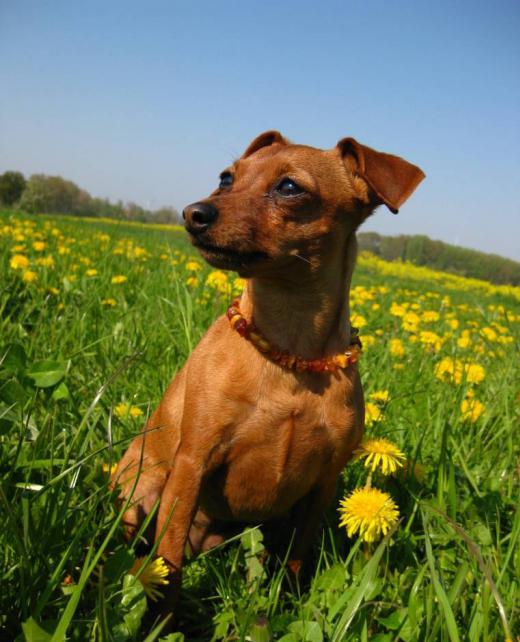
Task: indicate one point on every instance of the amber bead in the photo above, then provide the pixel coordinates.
(282, 357)
(241, 327)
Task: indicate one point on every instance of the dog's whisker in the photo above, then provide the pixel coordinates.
(298, 256)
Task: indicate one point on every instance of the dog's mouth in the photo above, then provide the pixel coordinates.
(227, 258)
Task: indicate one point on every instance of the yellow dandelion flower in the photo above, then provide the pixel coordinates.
(380, 395)
(471, 409)
(411, 321)
(453, 370)
(45, 261)
(39, 246)
(193, 266)
(464, 340)
(110, 470)
(19, 262)
(489, 334)
(445, 369)
(29, 276)
(91, 272)
(397, 310)
(53, 291)
(153, 574)
(192, 281)
(430, 340)
(372, 413)
(135, 412)
(118, 278)
(219, 281)
(367, 340)
(369, 512)
(239, 284)
(397, 348)
(358, 321)
(380, 453)
(122, 409)
(453, 323)
(110, 302)
(474, 372)
(430, 316)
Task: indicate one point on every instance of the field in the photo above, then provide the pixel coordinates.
(96, 318)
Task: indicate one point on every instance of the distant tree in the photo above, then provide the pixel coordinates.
(415, 249)
(167, 215)
(36, 194)
(422, 250)
(12, 185)
(53, 194)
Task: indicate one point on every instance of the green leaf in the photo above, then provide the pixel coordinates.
(46, 373)
(12, 391)
(394, 620)
(173, 637)
(117, 564)
(307, 631)
(33, 632)
(252, 541)
(364, 585)
(61, 392)
(332, 579)
(14, 358)
(7, 418)
(134, 603)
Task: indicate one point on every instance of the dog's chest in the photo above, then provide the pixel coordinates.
(284, 444)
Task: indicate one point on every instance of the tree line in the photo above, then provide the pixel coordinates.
(42, 194)
(422, 250)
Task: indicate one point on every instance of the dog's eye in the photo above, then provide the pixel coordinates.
(226, 180)
(287, 187)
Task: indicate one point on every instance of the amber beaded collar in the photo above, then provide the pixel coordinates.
(326, 364)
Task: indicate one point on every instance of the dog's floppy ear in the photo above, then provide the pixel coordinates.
(265, 140)
(391, 178)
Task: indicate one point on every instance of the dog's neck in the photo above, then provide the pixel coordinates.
(307, 315)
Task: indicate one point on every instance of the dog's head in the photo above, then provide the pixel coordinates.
(280, 203)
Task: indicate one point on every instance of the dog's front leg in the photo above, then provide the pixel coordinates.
(179, 503)
(306, 517)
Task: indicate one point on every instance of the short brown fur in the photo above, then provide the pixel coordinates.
(237, 438)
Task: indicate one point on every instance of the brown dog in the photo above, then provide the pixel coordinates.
(239, 435)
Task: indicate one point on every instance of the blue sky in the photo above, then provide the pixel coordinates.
(148, 101)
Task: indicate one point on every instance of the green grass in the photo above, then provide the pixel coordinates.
(69, 359)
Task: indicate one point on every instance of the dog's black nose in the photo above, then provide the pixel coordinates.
(199, 216)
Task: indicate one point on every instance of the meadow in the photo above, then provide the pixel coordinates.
(96, 318)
